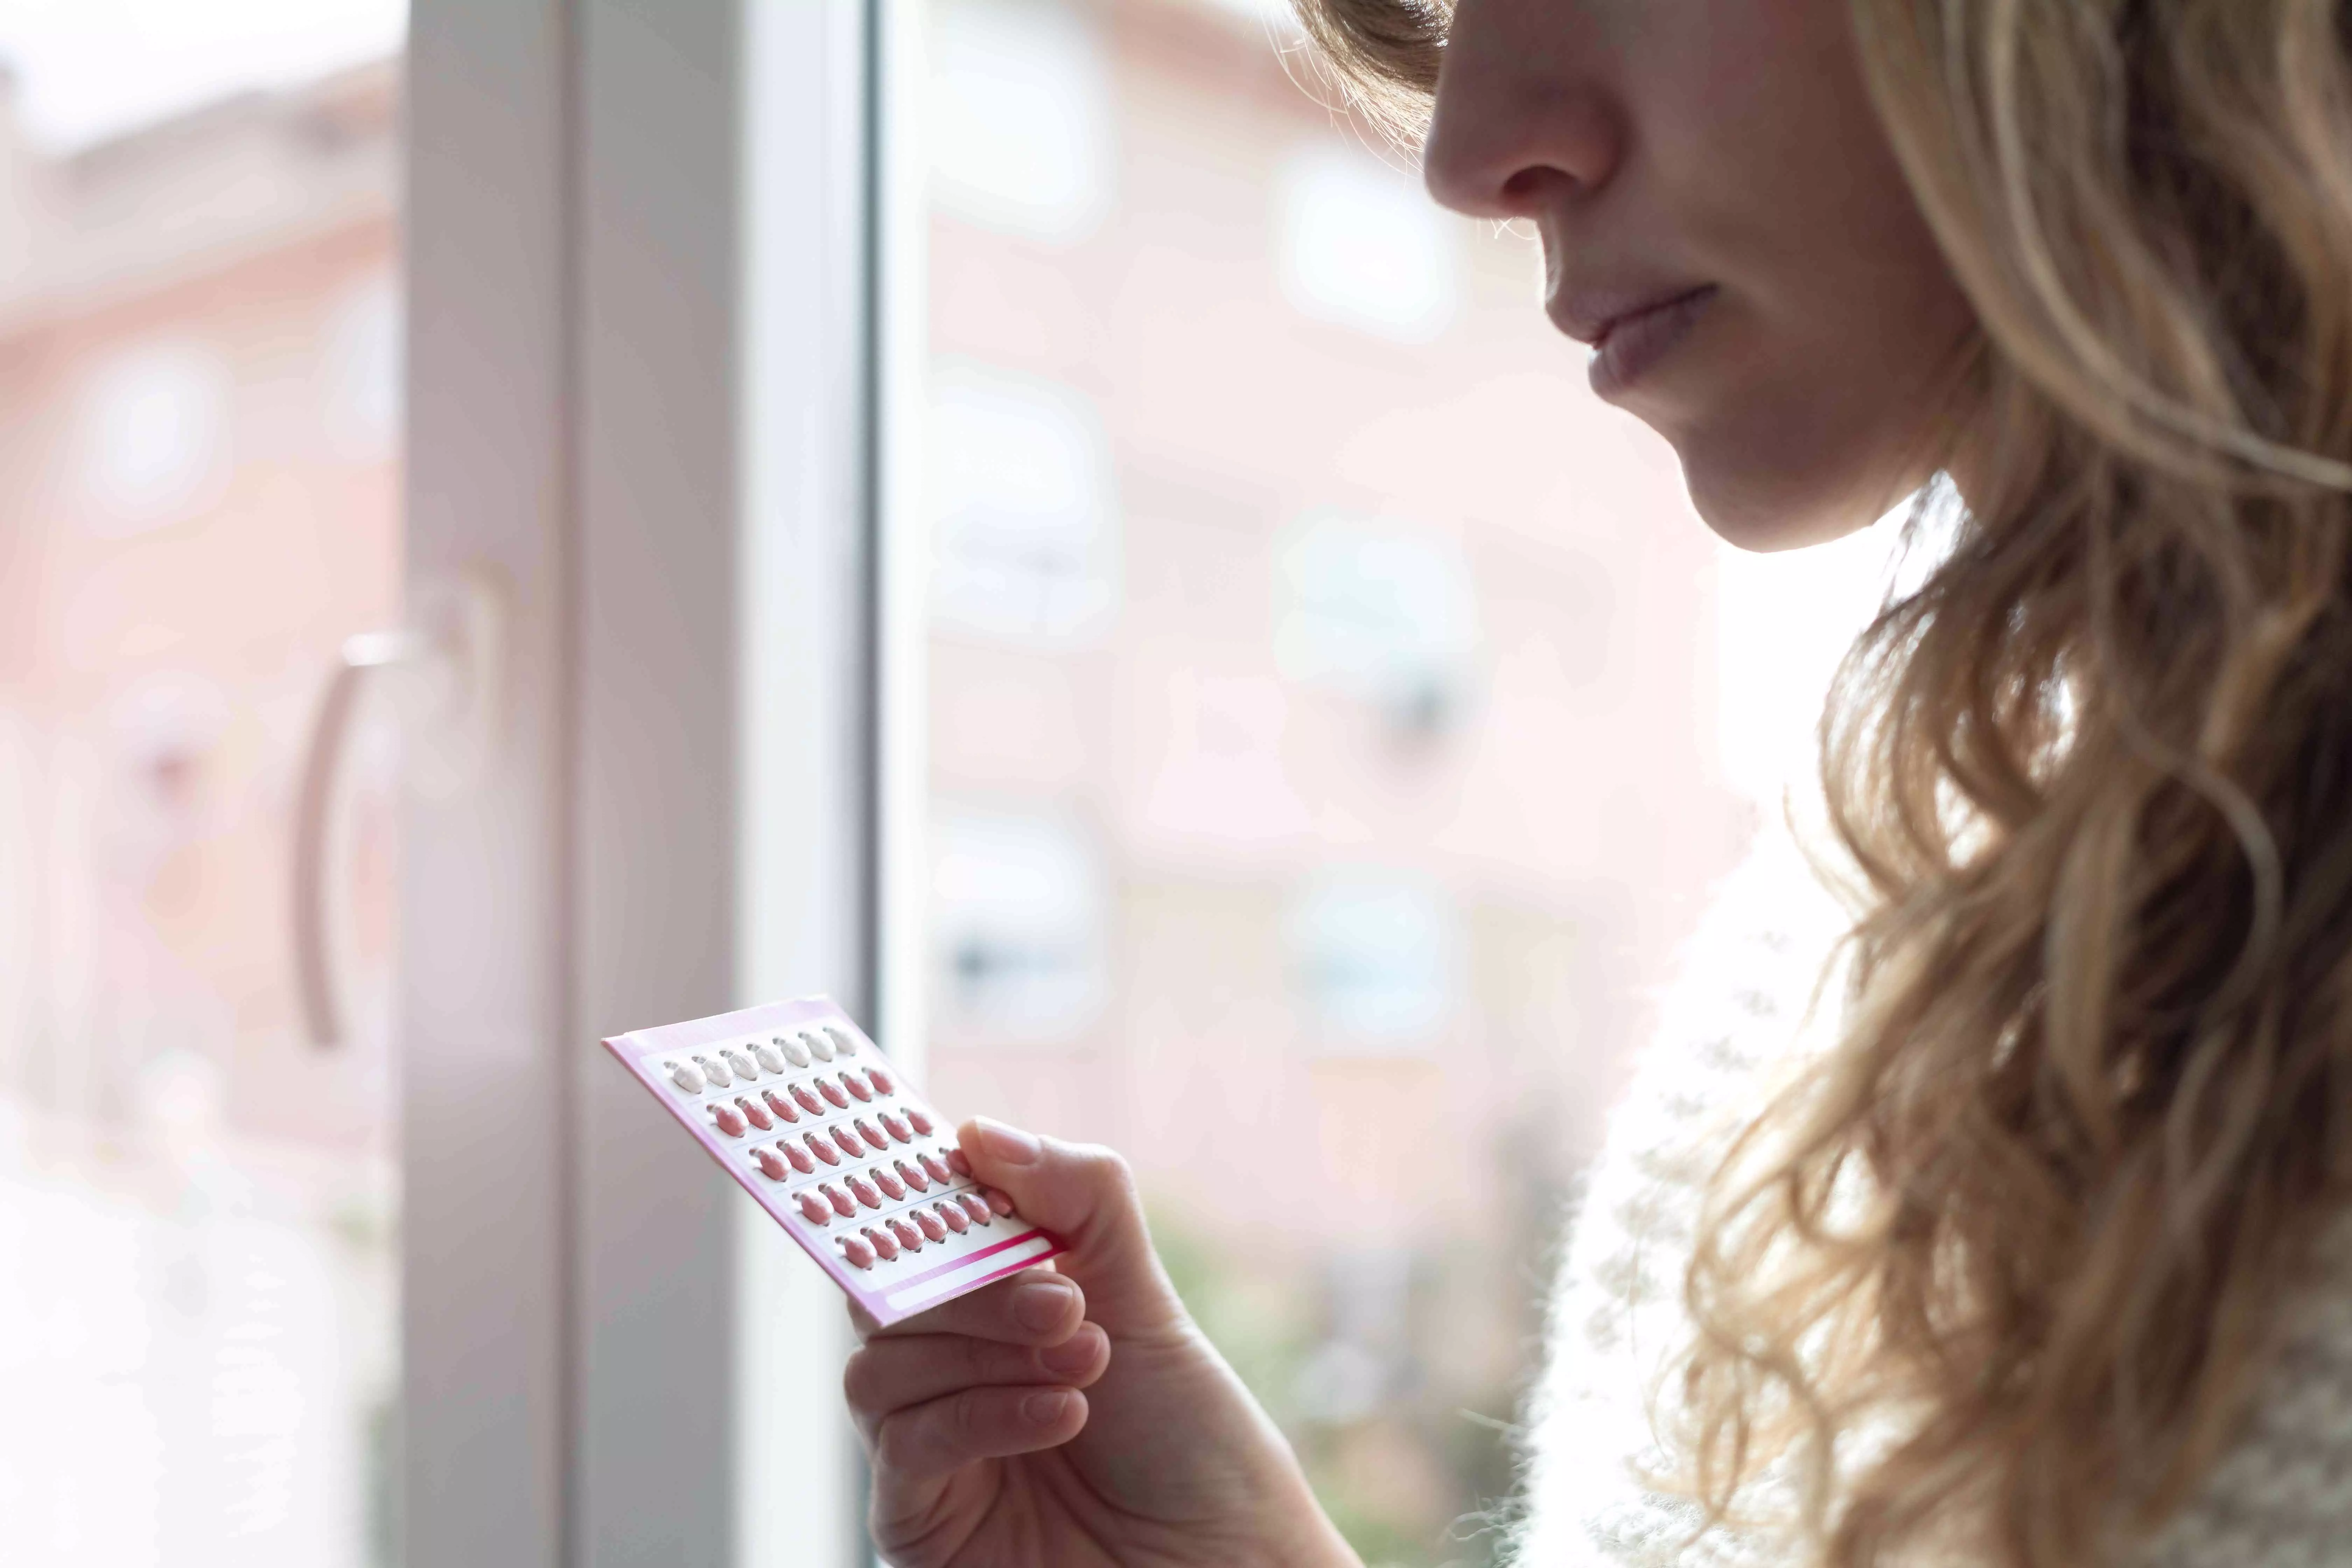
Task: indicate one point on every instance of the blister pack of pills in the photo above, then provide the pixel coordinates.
(802, 1109)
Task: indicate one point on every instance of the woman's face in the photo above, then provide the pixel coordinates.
(1722, 215)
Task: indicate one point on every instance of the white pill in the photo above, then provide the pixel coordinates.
(686, 1075)
(792, 1052)
(843, 1043)
(742, 1065)
(717, 1071)
(770, 1057)
(820, 1046)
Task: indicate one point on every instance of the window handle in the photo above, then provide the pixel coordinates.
(443, 676)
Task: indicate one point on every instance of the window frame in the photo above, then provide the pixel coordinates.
(643, 394)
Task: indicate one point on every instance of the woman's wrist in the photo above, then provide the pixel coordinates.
(1303, 1535)
(1317, 1543)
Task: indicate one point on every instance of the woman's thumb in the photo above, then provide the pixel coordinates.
(1086, 1195)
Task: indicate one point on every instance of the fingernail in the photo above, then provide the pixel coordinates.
(1008, 1144)
(1072, 1356)
(1045, 1409)
(1041, 1306)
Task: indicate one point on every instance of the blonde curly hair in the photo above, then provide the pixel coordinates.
(2031, 1221)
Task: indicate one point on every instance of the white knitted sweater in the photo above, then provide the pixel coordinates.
(2281, 1497)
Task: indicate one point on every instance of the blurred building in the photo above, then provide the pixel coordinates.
(199, 499)
(1323, 710)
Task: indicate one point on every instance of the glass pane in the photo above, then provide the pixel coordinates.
(200, 337)
(1327, 744)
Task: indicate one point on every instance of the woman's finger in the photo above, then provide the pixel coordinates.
(1037, 1307)
(923, 1444)
(1084, 1195)
(890, 1375)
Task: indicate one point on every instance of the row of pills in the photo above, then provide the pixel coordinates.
(819, 1097)
(871, 1186)
(907, 1233)
(852, 1138)
(782, 1054)
(780, 1161)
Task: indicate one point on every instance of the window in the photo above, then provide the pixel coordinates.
(361, 364)
(1363, 246)
(1388, 615)
(1377, 957)
(1017, 912)
(1021, 124)
(155, 434)
(1024, 524)
(1317, 679)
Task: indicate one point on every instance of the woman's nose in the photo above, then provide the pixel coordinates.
(1524, 118)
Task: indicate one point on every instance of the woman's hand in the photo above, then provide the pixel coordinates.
(1072, 1416)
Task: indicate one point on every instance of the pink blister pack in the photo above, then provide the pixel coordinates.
(802, 1109)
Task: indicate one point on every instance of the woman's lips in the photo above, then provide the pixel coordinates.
(1627, 346)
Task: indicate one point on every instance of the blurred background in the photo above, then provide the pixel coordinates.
(199, 442)
(1332, 720)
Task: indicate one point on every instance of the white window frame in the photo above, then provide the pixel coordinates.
(643, 394)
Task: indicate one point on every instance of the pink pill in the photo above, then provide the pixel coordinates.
(882, 1243)
(781, 1106)
(953, 1213)
(798, 1157)
(892, 1188)
(821, 1149)
(832, 1092)
(936, 1168)
(879, 1080)
(897, 1127)
(838, 1199)
(866, 1193)
(998, 1200)
(958, 1163)
(914, 1178)
(809, 1101)
(847, 1138)
(977, 1207)
(930, 1224)
(908, 1237)
(814, 1210)
(922, 1123)
(757, 1113)
(855, 1249)
(730, 1121)
(771, 1167)
(856, 1086)
(867, 1130)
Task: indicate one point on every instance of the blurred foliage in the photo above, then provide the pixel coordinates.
(1413, 1482)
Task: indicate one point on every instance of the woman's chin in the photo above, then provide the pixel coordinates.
(1762, 527)
(1765, 510)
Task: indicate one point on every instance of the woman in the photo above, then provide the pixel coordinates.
(2037, 1262)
